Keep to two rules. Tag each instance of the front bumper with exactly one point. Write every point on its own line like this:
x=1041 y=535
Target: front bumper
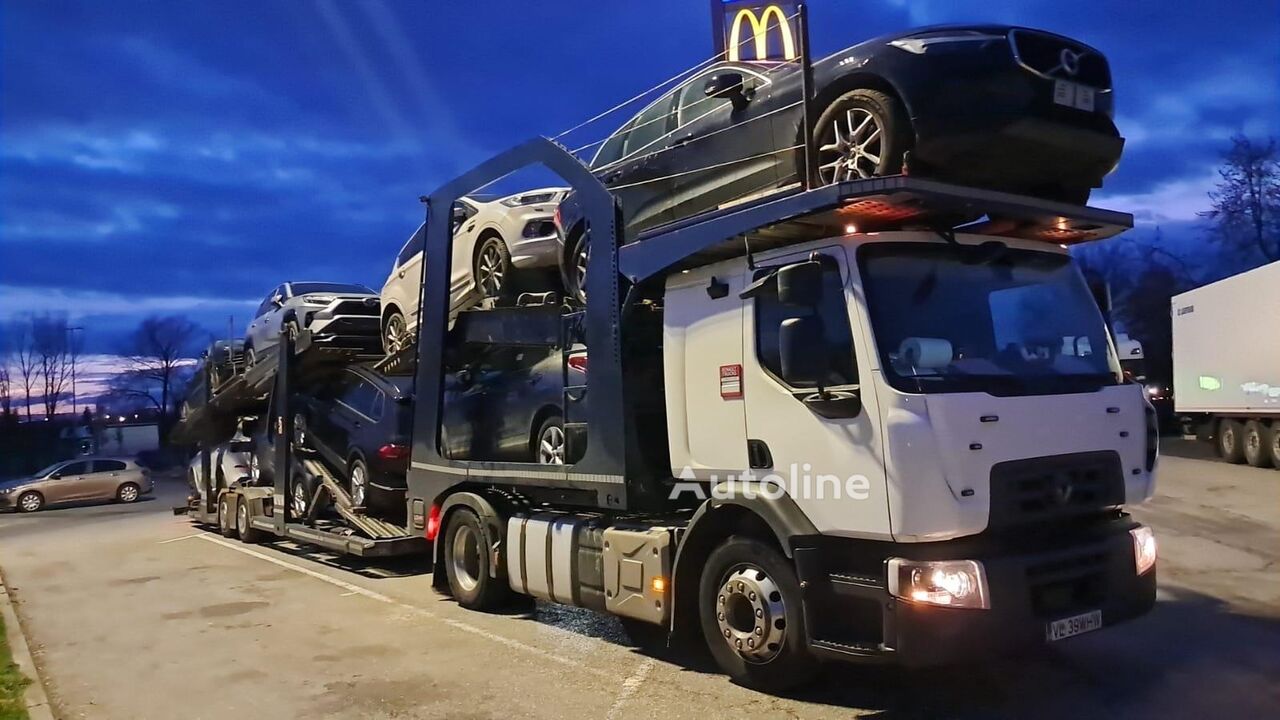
x=852 y=616
x=535 y=251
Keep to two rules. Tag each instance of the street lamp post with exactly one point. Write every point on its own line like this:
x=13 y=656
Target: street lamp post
x=71 y=342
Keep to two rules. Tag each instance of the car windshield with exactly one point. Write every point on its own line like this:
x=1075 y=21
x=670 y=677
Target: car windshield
x=49 y=469
x=306 y=288
x=989 y=318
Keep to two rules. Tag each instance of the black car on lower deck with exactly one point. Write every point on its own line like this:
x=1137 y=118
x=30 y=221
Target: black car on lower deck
x=993 y=106
x=359 y=422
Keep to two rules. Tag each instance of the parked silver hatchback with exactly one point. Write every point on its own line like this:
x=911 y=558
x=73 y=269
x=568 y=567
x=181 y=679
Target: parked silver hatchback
x=86 y=478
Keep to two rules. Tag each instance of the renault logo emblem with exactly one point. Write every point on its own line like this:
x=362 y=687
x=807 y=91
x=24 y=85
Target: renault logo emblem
x=1069 y=61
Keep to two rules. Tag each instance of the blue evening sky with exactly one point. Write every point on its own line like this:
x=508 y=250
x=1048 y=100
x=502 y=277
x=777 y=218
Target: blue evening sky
x=166 y=156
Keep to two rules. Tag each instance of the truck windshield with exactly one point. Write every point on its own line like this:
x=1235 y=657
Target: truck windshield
x=984 y=318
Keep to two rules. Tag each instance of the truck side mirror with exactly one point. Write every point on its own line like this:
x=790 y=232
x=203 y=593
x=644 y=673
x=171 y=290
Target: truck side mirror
x=801 y=284
x=802 y=352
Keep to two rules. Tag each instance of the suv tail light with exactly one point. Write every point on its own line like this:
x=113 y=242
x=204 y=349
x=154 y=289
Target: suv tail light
x=578 y=362
x=392 y=451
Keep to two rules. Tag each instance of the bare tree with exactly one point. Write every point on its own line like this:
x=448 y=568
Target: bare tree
x=55 y=358
x=6 y=390
x=158 y=359
x=1246 y=201
x=26 y=359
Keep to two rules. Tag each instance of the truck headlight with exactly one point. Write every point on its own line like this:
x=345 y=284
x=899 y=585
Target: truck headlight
x=1144 y=548
x=953 y=583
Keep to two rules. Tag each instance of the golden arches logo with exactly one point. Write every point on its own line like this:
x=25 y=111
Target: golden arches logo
x=760 y=32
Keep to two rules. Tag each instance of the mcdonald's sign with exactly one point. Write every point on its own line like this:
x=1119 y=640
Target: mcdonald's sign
x=746 y=30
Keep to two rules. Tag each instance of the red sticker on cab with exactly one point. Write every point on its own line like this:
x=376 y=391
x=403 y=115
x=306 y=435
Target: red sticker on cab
x=730 y=382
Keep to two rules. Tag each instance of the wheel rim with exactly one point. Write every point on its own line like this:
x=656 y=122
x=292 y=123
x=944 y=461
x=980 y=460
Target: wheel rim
x=1275 y=445
x=357 y=484
x=551 y=446
x=466 y=558
x=395 y=334
x=299 y=430
x=1228 y=440
x=299 y=499
x=489 y=272
x=1252 y=442
x=253 y=466
x=128 y=493
x=580 y=267
x=30 y=503
x=250 y=358
x=852 y=147
x=751 y=615
x=223 y=520
x=242 y=517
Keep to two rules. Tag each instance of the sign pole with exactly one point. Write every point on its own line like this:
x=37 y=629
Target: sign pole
x=806 y=70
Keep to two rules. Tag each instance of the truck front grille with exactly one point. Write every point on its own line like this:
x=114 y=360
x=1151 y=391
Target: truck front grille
x=1045 y=489
x=1067 y=584
x=1060 y=58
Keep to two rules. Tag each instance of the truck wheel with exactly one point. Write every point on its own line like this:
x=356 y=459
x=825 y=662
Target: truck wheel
x=1273 y=442
x=1231 y=440
x=302 y=489
x=248 y=533
x=752 y=618
x=1257 y=450
x=226 y=517
x=466 y=564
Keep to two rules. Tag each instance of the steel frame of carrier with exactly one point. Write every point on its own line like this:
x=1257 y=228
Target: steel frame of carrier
x=268 y=387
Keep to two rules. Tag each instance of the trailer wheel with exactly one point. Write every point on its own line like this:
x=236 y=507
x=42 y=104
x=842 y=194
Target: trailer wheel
x=1273 y=442
x=1231 y=440
x=248 y=533
x=1257 y=450
x=226 y=519
x=466 y=564
x=752 y=617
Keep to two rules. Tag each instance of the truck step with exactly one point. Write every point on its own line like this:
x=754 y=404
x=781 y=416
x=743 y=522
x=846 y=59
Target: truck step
x=852 y=650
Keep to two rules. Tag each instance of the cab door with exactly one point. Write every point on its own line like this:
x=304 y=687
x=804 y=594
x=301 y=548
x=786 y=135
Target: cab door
x=830 y=465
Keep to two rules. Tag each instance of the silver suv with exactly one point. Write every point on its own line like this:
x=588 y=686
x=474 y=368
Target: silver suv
x=338 y=314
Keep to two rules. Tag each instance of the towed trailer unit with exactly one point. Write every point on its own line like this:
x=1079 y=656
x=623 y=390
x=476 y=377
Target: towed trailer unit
x=991 y=508
x=255 y=512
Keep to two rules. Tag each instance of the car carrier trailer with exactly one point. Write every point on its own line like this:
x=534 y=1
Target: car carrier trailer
x=255 y=512
x=979 y=516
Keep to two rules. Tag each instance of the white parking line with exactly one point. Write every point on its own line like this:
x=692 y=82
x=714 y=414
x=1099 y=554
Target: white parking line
x=629 y=687
x=456 y=624
x=184 y=537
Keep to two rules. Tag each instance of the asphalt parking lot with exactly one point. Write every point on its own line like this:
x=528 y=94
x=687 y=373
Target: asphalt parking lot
x=134 y=613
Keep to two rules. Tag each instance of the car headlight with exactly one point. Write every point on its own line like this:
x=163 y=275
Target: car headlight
x=952 y=583
x=317 y=299
x=530 y=199
x=1144 y=549
x=920 y=43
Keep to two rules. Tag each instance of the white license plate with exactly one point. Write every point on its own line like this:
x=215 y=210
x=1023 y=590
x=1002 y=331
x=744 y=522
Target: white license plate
x=1074 y=625
x=1074 y=95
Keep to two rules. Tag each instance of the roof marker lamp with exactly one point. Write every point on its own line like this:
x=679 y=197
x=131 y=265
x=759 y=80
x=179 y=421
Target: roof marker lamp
x=949 y=583
x=1144 y=549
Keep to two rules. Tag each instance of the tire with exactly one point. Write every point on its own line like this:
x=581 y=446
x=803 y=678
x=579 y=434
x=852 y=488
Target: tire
x=748 y=587
x=575 y=274
x=248 y=533
x=1257 y=451
x=292 y=330
x=302 y=490
x=863 y=133
x=1231 y=440
x=226 y=517
x=358 y=482
x=549 y=446
x=300 y=431
x=394 y=333
x=1273 y=443
x=30 y=501
x=250 y=357
x=128 y=493
x=492 y=267
x=466 y=564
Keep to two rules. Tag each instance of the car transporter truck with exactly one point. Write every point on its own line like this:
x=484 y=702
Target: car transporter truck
x=877 y=421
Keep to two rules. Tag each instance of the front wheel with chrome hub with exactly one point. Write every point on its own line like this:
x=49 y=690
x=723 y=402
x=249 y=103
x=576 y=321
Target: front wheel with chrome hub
x=862 y=134
x=751 y=615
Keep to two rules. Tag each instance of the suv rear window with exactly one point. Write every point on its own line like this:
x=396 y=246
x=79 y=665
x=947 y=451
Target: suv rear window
x=108 y=466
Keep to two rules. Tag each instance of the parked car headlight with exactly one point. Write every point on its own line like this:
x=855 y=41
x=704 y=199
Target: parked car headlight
x=952 y=583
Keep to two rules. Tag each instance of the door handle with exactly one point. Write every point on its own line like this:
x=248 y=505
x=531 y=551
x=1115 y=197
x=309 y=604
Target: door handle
x=682 y=141
x=610 y=177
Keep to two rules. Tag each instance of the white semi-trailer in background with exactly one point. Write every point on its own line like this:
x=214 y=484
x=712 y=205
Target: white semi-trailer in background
x=1226 y=364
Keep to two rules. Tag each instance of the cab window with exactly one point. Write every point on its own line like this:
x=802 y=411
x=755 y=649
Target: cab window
x=842 y=368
